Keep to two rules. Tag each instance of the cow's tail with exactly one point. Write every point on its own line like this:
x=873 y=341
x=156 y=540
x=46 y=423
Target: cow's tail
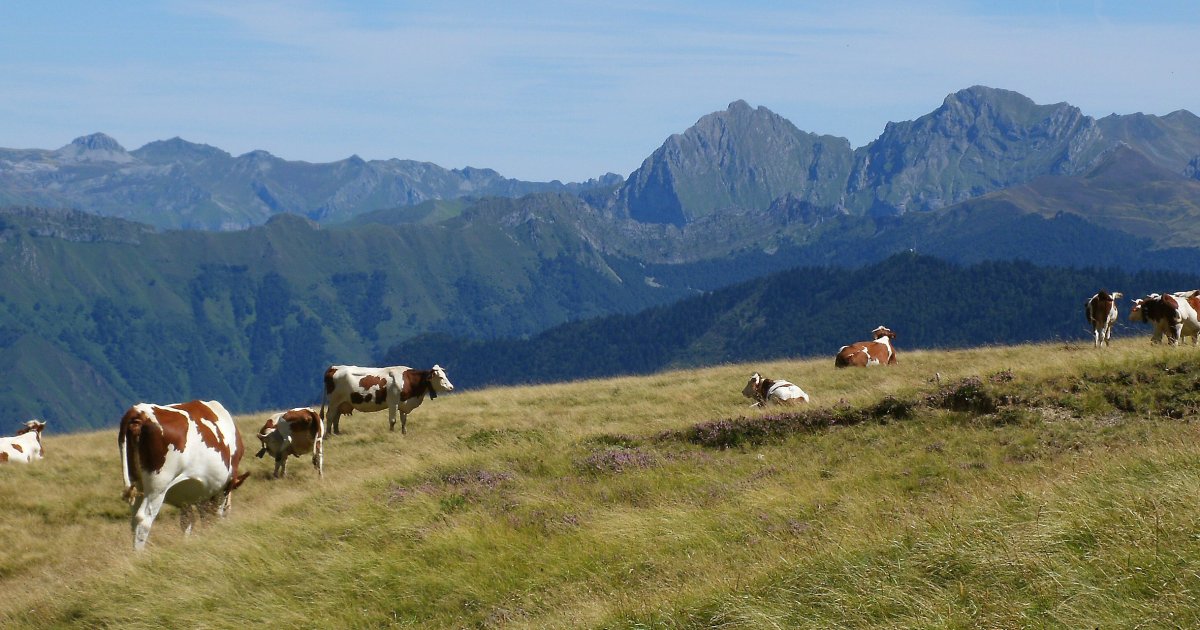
x=128 y=441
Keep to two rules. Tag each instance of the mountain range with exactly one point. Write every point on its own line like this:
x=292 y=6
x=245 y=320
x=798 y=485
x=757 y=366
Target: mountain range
x=362 y=262
x=738 y=160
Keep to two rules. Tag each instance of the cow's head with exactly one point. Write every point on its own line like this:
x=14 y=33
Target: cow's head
x=1135 y=313
x=438 y=381
x=751 y=388
x=883 y=331
x=265 y=432
x=35 y=426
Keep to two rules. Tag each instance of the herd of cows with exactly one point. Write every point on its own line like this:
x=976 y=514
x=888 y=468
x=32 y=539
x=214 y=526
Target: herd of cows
x=188 y=454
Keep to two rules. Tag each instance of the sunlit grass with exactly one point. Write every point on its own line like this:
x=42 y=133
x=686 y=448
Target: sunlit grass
x=580 y=505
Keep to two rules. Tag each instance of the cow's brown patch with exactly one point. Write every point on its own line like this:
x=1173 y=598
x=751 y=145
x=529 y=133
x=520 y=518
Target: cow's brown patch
x=358 y=399
x=367 y=382
x=3 y=458
x=17 y=447
x=303 y=421
x=210 y=433
x=416 y=383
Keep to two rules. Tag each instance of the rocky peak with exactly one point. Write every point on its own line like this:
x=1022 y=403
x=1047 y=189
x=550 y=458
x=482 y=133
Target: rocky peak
x=177 y=150
x=97 y=147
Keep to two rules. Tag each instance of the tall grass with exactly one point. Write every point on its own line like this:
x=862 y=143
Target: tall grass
x=586 y=505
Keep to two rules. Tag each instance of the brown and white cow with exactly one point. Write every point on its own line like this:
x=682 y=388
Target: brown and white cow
x=764 y=391
x=350 y=388
x=1101 y=311
x=293 y=432
x=866 y=353
x=186 y=454
x=1173 y=314
x=25 y=446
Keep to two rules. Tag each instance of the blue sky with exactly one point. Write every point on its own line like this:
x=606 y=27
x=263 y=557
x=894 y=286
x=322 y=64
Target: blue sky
x=557 y=90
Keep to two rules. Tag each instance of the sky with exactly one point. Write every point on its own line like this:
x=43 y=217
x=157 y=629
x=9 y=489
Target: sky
x=563 y=89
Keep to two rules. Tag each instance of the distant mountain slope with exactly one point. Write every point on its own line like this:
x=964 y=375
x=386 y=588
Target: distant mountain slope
x=98 y=313
x=804 y=312
x=178 y=184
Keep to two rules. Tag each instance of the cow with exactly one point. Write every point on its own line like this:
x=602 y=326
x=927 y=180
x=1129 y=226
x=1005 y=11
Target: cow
x=866 y=353
x=293 y=432
x=25 y=446
x=349 y=388
x=185 y=454
x=764 y=391
x=1101 y=311
x=1174 y=314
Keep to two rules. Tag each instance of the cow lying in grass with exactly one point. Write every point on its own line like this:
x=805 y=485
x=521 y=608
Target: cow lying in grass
x=764 y=391
x=867 y=353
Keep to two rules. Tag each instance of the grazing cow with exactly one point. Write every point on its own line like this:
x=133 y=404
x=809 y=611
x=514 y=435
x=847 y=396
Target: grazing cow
x=293 y=432
x=1174 y=314
x=25 y=446
x=865 y=353
x=349 y=388
x=183 y=454
x=764 y=391
x=1101 y=310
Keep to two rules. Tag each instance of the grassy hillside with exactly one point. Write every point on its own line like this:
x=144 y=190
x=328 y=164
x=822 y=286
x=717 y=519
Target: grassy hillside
x=1056 y=489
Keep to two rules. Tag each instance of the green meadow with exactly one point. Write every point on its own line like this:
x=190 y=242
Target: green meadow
x=1048 y=485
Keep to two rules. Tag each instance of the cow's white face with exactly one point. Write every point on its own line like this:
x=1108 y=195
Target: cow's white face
x=439 y=381
x=751 y=388
x=883 y=331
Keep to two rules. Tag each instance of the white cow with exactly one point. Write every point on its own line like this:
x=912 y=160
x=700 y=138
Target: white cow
x=1101 y=311
x=25 y=446
x=764 y=391
x=293 y=432
x=186 y=454
x=350 y=388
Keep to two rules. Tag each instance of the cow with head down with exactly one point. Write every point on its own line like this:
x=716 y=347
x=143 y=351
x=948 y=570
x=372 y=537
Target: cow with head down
x=398 y=389
x=1101 y=311
x=294 y=432
x=1177 y=315
x=868 y=353
x=25 y=446
x=185 y=454
x=764 y=391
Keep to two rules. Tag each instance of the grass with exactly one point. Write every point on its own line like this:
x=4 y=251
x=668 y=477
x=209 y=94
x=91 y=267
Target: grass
x=1054 y=489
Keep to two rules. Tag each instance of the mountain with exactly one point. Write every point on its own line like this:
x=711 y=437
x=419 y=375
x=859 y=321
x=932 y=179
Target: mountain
x=803 y=312
x=739 y=158
x=731 y=163
x=179 y=184
x=978 y=141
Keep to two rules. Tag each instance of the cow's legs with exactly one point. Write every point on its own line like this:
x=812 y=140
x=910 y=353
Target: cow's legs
x=392 y=418
x=336 y=415
x=318 y=458
x=403 y=423
x=280 y=465
x=187 y=518
x=224 y=503
x=145 y=510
